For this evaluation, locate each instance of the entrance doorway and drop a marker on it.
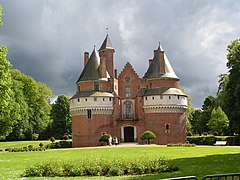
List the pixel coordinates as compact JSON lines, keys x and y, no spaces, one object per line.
{"x":128,"y":134}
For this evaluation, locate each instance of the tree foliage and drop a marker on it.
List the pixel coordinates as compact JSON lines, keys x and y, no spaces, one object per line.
{"x":219,"y":121}
{"x":61,"y":117}
{"x":231,"y":92}
{"x":8,"y":107}
{"x":148,"y":135}
{"x":1,"y":14}
{"x":33,"y":100}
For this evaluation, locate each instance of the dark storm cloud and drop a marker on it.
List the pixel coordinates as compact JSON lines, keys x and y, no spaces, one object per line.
{"x":46,"y":39}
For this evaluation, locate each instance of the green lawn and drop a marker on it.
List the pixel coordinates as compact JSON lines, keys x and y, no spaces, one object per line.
{"x":198,"y":161}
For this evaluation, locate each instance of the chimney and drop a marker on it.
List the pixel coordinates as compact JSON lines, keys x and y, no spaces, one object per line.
{"x":86,"y":57}
{"x":162,"y":62}
{"x":150,"y":61}
{"x":103,"y":67}
{"x":115,"y":70}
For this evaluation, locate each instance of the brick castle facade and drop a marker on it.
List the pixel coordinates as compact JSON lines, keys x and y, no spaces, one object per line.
{"x":126,"y":105}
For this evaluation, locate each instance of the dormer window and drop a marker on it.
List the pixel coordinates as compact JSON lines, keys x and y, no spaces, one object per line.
{"x":96,"y":86}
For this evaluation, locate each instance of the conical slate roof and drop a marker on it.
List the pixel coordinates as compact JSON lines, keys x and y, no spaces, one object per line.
{"x":160,"y":66}
{"x":107,"y":44}
{"x":91,"y":70}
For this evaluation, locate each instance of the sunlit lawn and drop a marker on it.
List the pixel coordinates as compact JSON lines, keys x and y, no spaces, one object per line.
{"x":198,"y":161}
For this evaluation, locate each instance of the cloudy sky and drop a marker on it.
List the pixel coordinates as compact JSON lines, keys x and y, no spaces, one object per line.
{"x":46,"y":39}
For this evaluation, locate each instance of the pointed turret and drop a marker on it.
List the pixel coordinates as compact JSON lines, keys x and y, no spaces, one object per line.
{"x":160,"y":66}
{"x":91,"y":70}
{"x":107,"y":44}
{"x":106,"y":53}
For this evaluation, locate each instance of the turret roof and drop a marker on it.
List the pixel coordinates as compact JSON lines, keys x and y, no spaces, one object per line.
{"x":91,"y":70}
{"x":155,"y":70}
{"x":107,"y":44}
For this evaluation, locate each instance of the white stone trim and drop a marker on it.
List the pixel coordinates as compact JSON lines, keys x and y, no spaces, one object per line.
{"x":165,"y":109}
{"x":134,"y":129}
{"x":83,"y":111}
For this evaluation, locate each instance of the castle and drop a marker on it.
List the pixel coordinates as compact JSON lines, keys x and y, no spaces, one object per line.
{"x":126,"y":105}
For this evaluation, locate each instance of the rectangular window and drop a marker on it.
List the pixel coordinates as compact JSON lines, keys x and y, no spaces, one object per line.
{"x":161,"y":96}
{"x":127,"y":92}
{"x":110,"y":99}
{"x":89,"y":114}
{"x":86,"y":99}
{"x":95,"y":99}
{"x":103,"y":99}
{"x":178,"y":97}
{"x":96,"y":86}
{"x":78,"y":100}
{"x":145,"y":98}
{"x":152,"y":98}
{"x":169,"y":97}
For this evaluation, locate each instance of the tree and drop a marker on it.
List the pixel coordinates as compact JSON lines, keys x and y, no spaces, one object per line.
{"x":209,"y":104}
{"x":61,"y":117}
{"x":189,"y":112}
{"x":8,"y":108}
{"x":148,"y":135}
{"x":231,"y":100}
{"x":196,"y":122}
{"x":1,"y":14}
{"x":219,"y":121}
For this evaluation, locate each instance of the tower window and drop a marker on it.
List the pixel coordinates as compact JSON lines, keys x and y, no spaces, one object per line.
{"x":153,"y":98}
{"x":167,"y":128}
{"x":86,"y":99}
{"x":127,"y":92}
{"x":169,"y":97}
{"x":89,"y":114}
{"x":96,"y":86}
{"x":110,"y":99}
{"x":161,"y":96}
{"x":95,"y":99}
{"x":78,"y":100}
{"x":146,"y":98}
{"x":178,"y":97}
{"x":103,"y":99}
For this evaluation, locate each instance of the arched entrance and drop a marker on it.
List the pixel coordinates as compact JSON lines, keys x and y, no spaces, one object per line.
{"x":128,"y":133}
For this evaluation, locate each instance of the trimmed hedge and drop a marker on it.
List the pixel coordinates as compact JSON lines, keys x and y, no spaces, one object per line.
{"x":211,"y":139}
{"x":60,"y":144}
{"x":101,"y":167}
{"x":181,"y":145}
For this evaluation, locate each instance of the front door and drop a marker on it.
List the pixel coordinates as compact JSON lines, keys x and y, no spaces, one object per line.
{"x":129,"y":134}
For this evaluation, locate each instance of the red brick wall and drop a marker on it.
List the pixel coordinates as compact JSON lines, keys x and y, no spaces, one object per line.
{"x":86,"y":132}
{"x":156,"y":123}
{"x":151,"y":83}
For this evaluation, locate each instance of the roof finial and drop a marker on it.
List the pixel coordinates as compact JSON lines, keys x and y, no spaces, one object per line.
{"x":94,"y":46}
{"x":159,"y":44}
{"x":107,"y":31}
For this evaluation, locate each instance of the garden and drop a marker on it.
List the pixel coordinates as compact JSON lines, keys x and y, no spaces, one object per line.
{"x":174,"y":161}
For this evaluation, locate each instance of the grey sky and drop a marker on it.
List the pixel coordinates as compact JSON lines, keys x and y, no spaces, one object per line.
{"x":46,"y":39}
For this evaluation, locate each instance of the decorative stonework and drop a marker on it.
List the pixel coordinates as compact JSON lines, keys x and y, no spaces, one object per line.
{"x":83,"y":111}
{"x":165,"y":109}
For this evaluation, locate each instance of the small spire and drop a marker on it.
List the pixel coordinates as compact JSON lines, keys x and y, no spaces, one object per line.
{"x":160,"y":47}
{"x":107,"y":31}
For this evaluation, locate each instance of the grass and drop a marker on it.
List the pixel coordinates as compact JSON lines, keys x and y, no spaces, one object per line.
{"x":198,"y":161}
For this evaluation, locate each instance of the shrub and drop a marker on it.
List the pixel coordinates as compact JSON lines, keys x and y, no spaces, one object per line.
{"x":181,"y":145}
{"x":100,"y":166}
{"x":211,"y":139}
{"x":148,"y":135}
{"x":60,"y":144}
{"x":52,"y":139}
{"x":65,"y":137}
